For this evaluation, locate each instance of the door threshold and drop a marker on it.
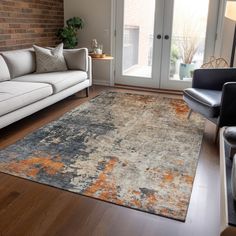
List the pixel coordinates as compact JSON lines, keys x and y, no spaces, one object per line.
{"x":166,"y":91}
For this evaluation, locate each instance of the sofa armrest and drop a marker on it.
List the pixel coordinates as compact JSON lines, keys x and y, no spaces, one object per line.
{"x":228,"y":105}
{"x":213,"y":79}
{"x":76,"y":59}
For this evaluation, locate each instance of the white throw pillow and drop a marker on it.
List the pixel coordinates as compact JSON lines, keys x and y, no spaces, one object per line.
{"x":76,"y":59}
{"x":4,"y":72}
{"x":50,"y":60}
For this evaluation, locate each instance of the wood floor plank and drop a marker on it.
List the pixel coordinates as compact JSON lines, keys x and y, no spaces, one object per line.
{"x":28,"y":208}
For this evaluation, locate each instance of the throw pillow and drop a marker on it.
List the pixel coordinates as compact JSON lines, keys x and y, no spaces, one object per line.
{"x":50,"y":60}
{"x":76,"y":59}
{"x":5,"y":74}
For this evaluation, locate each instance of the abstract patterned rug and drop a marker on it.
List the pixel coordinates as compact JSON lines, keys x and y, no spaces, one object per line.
{"x":133,"y":150}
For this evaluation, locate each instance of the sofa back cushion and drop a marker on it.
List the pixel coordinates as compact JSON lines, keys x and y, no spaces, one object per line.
{"x":76,"y":59}
{"x":4,"y":72}
{"x":20,"y":62}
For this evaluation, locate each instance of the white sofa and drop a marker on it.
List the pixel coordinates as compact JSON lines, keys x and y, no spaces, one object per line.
{"x":24,"y":92}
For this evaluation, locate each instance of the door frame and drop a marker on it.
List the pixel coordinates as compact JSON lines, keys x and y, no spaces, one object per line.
{"x":217,"y":39}
{"x":212,"y":24}
{"x":152,"y":82}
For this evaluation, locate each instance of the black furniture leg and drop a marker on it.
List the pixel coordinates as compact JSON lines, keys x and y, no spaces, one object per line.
{"x":217,"y":133}
{"x":87,"y":92}
{"x":189,"y":114}
{"x":233,"y":48}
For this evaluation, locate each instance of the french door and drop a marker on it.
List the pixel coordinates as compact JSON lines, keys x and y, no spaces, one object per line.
{"x":160,"y":42}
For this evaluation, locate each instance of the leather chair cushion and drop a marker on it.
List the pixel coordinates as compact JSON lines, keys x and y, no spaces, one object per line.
{"x":204,"y":101}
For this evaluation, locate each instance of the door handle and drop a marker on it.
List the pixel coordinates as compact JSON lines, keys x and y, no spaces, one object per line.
{"x":166,"y":37}
{"x":159,"y":36}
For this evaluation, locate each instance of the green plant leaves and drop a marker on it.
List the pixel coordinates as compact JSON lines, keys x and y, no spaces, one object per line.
{"x":68,"y":34}
{"x":75,"y":22}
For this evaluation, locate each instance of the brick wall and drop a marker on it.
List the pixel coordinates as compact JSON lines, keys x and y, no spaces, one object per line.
{"x":27,"y":22}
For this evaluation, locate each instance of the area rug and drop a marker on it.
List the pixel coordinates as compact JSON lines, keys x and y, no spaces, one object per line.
{"x":133,"y":150}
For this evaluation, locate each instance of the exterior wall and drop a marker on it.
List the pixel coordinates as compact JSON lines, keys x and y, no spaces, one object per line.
{"x":24,"y":23}
{"x":142,"y":16}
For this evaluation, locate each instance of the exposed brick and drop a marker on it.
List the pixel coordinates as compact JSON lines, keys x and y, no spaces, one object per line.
{"x":27,"y":22}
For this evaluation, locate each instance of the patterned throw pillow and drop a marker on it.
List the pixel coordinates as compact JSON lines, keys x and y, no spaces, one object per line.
{"x":50,"y":60}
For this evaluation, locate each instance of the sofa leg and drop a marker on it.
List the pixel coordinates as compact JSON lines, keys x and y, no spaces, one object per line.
{"x":87,"y":91}
{"x":189,"y":114}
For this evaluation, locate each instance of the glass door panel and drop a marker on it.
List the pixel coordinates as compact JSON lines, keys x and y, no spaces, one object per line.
{"x":188,"y":38}
{"x":138,"y":51}
{"x":138,"y":31}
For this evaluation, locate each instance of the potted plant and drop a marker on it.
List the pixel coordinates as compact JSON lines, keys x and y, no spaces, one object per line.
{"x":173,"y":59}
{"x":68,"y":34}
{"x":189,"y":44}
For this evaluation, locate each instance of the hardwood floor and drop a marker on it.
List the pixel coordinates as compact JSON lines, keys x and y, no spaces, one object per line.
{"x":28,"y":208}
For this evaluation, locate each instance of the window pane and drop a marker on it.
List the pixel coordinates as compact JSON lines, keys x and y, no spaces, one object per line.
{"x":138,"y":37}
{"x":188,"y":38}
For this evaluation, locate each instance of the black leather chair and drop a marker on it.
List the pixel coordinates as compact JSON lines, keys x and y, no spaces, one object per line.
{"x":213,"y":95}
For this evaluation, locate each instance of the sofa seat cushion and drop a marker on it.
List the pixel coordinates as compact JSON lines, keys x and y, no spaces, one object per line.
{"x":206,"y":102}
{"x":59,"y":80}
{"x":15,"y":95}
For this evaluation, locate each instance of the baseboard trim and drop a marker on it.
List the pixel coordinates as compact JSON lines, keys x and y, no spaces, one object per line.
{"x":167,"y":91}
{"x":101,"y":82}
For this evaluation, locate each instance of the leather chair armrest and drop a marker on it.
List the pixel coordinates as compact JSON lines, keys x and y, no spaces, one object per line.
{"x":213,"y":79}
{"x":228,"y":105}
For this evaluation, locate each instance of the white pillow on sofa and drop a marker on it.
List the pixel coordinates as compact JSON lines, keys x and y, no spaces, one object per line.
{"x":50,"y":60}
{"x":4,"y":72}
{"x":76,"y":59}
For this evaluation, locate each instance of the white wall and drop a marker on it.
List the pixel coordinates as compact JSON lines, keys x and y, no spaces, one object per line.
{"x":225,"y":35}
{"x":97,"y":16}
{"x":227,"y":39}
